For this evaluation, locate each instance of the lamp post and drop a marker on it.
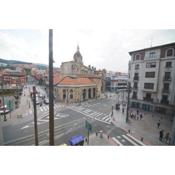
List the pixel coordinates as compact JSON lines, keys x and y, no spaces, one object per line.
{"x":2,"y":85}
{"x":128,"y":102}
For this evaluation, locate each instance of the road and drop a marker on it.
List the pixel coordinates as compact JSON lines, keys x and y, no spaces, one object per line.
{"x":69,"y":121}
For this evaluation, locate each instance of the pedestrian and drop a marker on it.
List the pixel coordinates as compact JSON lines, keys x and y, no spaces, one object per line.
{"x":123,"y":110}
{"x":137,"y":111}
{"x":141,"y":116}
{"x":169,"y":141}
{"x":158,"y":124}
{"x":161,"y":133}
{"x":108,"y":137}
{"x":167,"y":137}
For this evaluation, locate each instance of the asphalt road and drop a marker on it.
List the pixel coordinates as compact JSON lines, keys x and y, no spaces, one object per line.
{"x":68,"y":122}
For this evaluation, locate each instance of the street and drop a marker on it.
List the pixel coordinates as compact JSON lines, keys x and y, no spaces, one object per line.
{"x":69,"y":121}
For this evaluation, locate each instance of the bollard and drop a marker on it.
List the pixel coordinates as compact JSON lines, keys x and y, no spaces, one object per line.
{"x":141,"y":139}
{"x":129,"y":131}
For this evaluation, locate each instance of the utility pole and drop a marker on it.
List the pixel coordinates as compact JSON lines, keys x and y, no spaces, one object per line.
{"x":35,"y":116}
{"x":5,"y":118}
{"x":128,"y":102}
{"x":51,"y":104}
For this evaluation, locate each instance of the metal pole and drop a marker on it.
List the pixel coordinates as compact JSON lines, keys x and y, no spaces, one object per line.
{"x":51,"y":104}
{"x":35,"y":115}
{"x":88,"y":137}
{"x":128,"y":103}
{"x":5,"y":118}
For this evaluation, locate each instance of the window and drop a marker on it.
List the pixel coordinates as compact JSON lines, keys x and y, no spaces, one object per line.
{"x":134,"y":95}
{"x":137,"y":57}
{"x":169,"y":52}
{"x":148,"y":95}
{"x":166,"y":86}
{"x":71,"y":94}
{"x":150,"y":64}
{"x":135,"y":85}
{"x":149,"y":85}
{"x":64,"y":94}
{"x":149,"y":74}
{"x":167,"y":75}
{"x":152,"y":55}
{"x":168,"y":64}
{"x":136,"y":66}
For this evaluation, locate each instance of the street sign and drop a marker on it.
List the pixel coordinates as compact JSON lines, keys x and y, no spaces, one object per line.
{"x":88,"y":126}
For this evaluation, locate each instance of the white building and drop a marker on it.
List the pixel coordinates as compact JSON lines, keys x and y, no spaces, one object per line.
{"x":152,"y":78}
{"x":116,"y":81}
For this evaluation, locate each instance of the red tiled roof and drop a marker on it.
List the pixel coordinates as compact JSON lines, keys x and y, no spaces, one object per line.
{"x":56,"y":78}
{"x":76,"y":81}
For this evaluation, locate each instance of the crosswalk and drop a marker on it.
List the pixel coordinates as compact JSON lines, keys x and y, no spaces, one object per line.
{"x":42,"y":109}
{"x":102,"y":117}
{"x":127,"y":139}
{"x":45,"y":119}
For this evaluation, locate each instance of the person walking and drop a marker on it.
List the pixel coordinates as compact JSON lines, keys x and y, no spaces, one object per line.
{"x":167,"y":137}
{"x":137,"y":111}
{"x":158,"y":124}
{"x":161,"y":133}
{"x":141,"y":116}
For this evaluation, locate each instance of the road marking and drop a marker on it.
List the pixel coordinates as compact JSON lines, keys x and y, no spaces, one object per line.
{"x":115,"y":140}
{"x":138,"y":141}
{"x":43,"y":142}
{"x":41,"y":109}
{"x":118,"y":137}
{"x":105,"y":117}
{"x":123,"y":140}
{"x":26,"y":126}
{"x":128,"y":139}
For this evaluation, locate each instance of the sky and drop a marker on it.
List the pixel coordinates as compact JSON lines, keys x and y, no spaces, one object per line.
{"x":105,"y":30}
{"x":101,"y":49}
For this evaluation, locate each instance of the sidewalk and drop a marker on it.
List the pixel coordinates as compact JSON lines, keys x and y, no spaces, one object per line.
{"x":145,"y":128}
{"x":98,"y":141}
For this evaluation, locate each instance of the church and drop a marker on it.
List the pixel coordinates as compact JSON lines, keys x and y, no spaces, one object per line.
{"x":78,"y":82}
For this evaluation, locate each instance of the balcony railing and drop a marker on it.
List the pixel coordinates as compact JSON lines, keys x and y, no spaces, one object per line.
{"x":135,"y":88}
{"x":134,"y":97}
{"x":136,"y":78}
{"x":166,"y":102}
{"x":165,"y":90}
{"x":167,"y":79}
{"x":147,"y":99}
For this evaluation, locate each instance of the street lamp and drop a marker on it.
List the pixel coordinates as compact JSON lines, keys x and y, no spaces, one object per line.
{"x":128,"y":101}
{"x":2,"y":82}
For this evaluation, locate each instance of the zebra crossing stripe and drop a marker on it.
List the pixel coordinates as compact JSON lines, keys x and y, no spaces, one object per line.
{"x":128,"y":139}
{"x":115,"y":140}
{"x":105,"y":117}
{"x":138,"y":141}
{"x":98,"y":115}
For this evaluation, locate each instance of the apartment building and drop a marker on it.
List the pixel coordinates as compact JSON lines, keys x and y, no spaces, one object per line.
{"x":152,"y":78}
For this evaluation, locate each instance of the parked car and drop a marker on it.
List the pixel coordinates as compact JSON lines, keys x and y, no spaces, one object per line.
{"x":46,"y":101}
{"x":4,"y":110}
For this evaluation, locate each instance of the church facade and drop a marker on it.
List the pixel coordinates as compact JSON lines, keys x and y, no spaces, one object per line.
{"x":78,"y":82}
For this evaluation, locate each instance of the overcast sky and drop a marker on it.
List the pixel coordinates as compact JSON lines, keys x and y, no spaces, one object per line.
{"x":102,"y":49}
{"x":94,"y":25}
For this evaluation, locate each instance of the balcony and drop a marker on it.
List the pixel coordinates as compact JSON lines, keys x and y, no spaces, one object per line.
{"x":165,"y":102}
{"x":136,"y":78}
{"x":167,"y":79}
{"x":135,"y":88}
{"x":166,"y":91}
{"x":134,"y":97}
{"x":147,"y":99}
